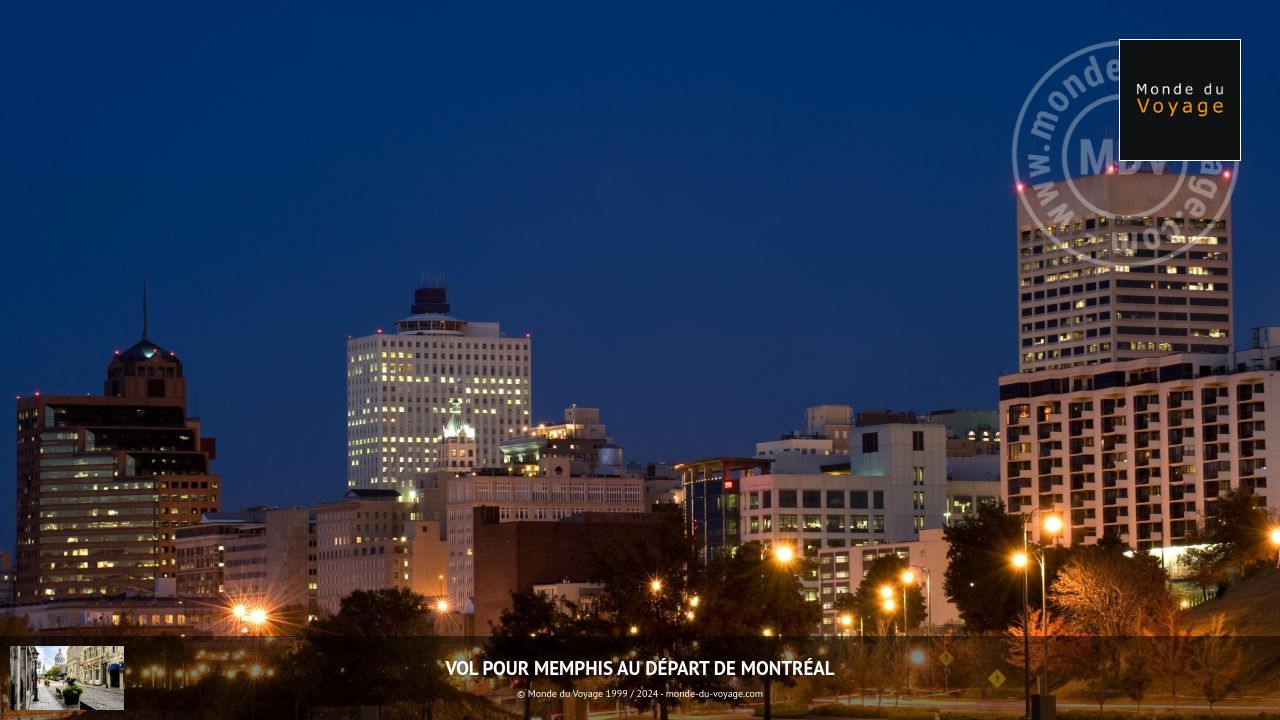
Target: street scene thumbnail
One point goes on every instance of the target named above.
(65, 678)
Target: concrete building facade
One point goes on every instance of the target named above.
(402, 387)
(372, 540)
(1140, 449)
(101, 665)
(1090, 289)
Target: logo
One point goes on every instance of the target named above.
(1075, 194)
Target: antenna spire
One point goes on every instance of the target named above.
(144, 309)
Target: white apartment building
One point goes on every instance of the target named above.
(1141, 448)
(554, 494)
(402, 387)
(894, 488)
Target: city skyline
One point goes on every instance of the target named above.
(739, 227)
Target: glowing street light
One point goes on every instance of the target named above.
(784, 554)
(886, 592)
(240, 612)
(655, 586)
(1275, 540)
(1019, 560)
(767, 632)
(1052, 524)
(846, 623)
(442, 606)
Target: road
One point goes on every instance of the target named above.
(102, 698)
(97, 698)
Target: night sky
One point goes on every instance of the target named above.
(708, 218)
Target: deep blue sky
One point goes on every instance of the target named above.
(708, 217)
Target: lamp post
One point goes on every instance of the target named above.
(908, 577)
(1052, 526)
(1020, 562)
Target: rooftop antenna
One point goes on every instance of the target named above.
(144, 309)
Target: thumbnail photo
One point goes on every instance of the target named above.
(61, 678)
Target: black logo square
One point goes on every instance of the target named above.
(1179, 100)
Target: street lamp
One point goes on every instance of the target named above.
(887, 602)
(1019, 561)
(1052, 525)
(784, 554)
(846, 621)
(1275, 540)
(655, 586)
(908, 578)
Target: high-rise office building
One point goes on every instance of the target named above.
(104, 482)
(1132, 414)
(403, 388)
(1131, 283)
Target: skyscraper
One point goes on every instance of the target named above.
(403, 388)
(103, 482)
(1132, 414)
(1129, 283)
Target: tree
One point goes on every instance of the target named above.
(1217, 661)
(652, 595)
(751, 593)
(1135, 675)
(867, 603)
(531, 629)
(978, 655)
(1207, 567)
(1105, 592)
(1102, 675)
(1237, 534)
(1062, 652)
(1170, 647)
(379, 650)
(987, 595)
